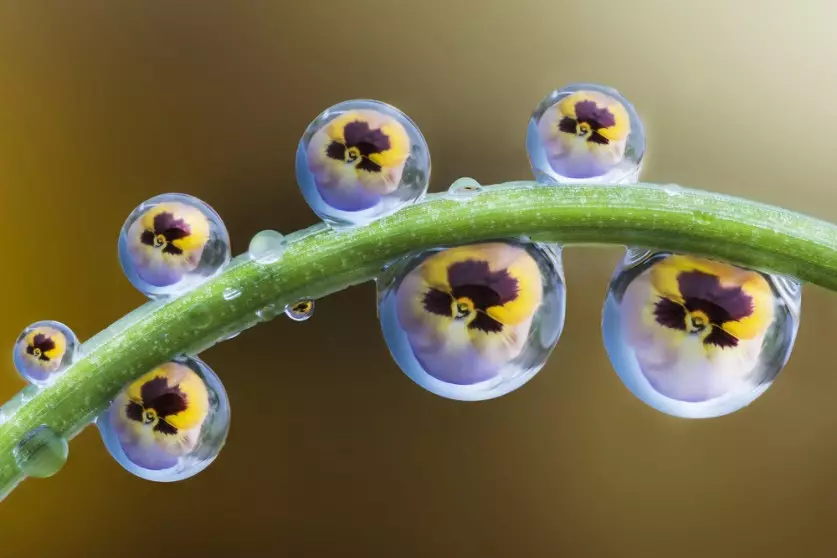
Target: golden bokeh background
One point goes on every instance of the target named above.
(332, 451)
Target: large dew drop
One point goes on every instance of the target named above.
(694, 337)
(361, 160)
(476, 321)
(170, 423)
(41, 453)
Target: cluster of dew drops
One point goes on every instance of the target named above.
(689, 336)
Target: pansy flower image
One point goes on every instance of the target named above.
(584, 135)
(467, 311)
(357, 158)
(40, 352)
(158, 418)
(697, 327)
(167, 241)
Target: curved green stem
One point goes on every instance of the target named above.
(320, 261)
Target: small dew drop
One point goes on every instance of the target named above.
(231, 293)
(300, 310)
(267, 247)
(267, 313)
(464, 187)
(41, 452)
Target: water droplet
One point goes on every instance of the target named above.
(464, 188)
(267, 247)
(693, 337)
(231, 293)
(300, 310)
(443, 338)
(338, 186)
(172, 243)
(267, 313)
(44, 350)
(164, 447)
(564, 149)
(41, 453)
(673, 190)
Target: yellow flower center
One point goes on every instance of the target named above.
(149, 416)
(36, 353)
(159, 240)
(583, 129)
(464, 307)
(697, 322)
(352, 154)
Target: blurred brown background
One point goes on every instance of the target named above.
(333, 452)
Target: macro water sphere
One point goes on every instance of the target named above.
(469, 311)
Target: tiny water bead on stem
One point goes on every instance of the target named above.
(695, 337)
(584, 133)
(300, 310)
(360, 160)
(170, 423)
(171, 243)
(473, 322)
(43, 350)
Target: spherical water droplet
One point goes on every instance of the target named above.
(41, 453)
(266, 247)
(231, 293)
(694, 337)
(585, 133)
(44, 350)
(170, 423)
(172, 243)
(464, 188)
(268, 312)
(300, 310)
(485, 328)
(361, 160)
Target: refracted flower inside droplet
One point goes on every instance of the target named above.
(699, 330)
(360, 160)
(43, 350)
(170, 243)
(470, 316)
(584, 132)
(158, 426)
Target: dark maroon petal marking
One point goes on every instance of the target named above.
(720, 338)
(567, 125)
(165, 428)
(702, 291)
(492, 287)
(175, 234)
(484, 322)
(43, 342)
(166, 224)
(367, 165)
(438, 302)
(166, 400)
(670, 314)
(368, 141)
(133, 411)
(482, 296)
(589, 112)
(170, 248)
(596, 137)
(147, 237)
(336, 150)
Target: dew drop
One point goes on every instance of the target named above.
(41, 452)
(464, 187)
(231, 293)
(267, 313)
(267, 247)
(44, 350)
(300, 310)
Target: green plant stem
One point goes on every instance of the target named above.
(320, 261)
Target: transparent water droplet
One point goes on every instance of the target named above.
(697, 338)
(339, 187)
(41, 453)
(464, 188)
(673, 190)
(300, 310)
(231, 293)
(449, 344)
(268, 312)
(564, 148)
(267, 247)
(171, 243)
(44, 350)
(138, 436)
